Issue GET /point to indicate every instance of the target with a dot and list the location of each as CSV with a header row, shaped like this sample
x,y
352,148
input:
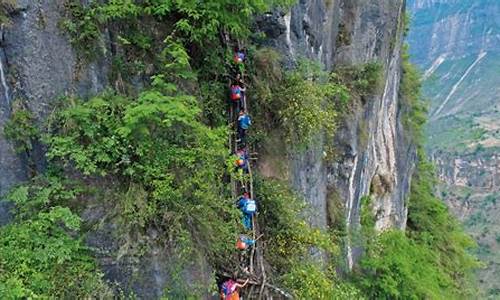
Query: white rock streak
x,y
4,84
288,21
455,87
435,66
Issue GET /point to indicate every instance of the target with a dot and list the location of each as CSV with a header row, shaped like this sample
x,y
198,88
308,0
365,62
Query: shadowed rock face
x,y
40,66
5,212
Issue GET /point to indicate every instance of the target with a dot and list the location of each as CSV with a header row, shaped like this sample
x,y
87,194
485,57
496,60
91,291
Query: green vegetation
x,y
289,240
140,27
39,254
362,80
21,128
5,8
156,155
302,103
170,165
22,131
159,153
415,109
395,267
431,224
367,218
431,260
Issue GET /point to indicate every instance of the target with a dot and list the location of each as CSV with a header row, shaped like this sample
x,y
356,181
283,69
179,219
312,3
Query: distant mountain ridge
x,y
456,44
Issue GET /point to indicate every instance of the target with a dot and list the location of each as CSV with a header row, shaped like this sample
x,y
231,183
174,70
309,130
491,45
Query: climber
x,y
242,160
244,242
236,95
229,289
238,81
244,122
248,207
239,56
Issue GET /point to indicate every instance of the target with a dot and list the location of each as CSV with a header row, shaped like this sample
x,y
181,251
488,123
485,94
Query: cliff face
x,y
457,46
38,65
354,33
374,158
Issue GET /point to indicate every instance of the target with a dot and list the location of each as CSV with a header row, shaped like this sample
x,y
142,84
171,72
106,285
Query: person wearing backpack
x,y
248,207
239,82
244,242
244,122
239,56
241,162
229,289
236,95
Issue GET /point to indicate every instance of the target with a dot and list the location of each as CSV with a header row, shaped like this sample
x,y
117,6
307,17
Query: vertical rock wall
x,y
347,32
39,65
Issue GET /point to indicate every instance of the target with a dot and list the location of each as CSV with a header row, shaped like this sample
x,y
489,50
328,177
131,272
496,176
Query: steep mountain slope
x,y
457,46
40,65
120,108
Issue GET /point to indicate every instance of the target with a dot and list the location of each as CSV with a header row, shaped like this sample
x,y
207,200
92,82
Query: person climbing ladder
x,y
241,162
229,289
249,252
244,122
248,207
236,96
244,242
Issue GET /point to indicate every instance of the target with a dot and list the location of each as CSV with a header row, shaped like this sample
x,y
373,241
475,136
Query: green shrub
x,y
362,80
143,25
302,103
431,225
292,236
39,258
309,280
367,218
290,242
396,267
21,128
415,108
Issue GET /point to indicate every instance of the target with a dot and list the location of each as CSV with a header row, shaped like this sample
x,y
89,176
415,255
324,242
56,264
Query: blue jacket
x,y
244,121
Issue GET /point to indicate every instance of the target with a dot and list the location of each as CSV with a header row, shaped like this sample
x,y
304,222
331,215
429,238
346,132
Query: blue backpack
x,y
245,121
250,206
